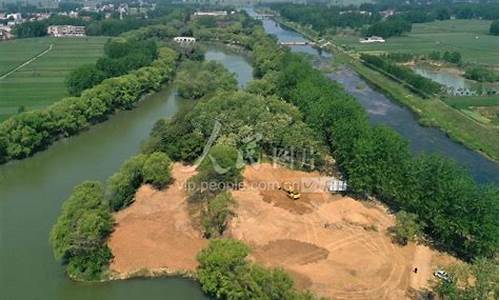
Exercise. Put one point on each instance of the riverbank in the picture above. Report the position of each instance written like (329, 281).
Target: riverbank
(432, 112)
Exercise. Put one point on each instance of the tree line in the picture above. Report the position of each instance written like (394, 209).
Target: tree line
(425, 85)
(456, 212)
(29, 132)
(120, 57)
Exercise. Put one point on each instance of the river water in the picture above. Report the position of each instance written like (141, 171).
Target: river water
(382, 110)
(32, 192)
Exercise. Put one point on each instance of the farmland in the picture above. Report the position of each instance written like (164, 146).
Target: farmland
(469, 37)
(41, 82)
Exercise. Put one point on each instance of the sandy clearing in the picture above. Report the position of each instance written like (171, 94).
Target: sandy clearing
(155, 232)
(333, 245)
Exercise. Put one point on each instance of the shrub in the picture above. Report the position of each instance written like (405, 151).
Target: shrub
(124, 183)
(407, 228)
(157, 169)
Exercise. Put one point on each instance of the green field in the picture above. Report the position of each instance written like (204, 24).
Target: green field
(454, 35)
(41, 82)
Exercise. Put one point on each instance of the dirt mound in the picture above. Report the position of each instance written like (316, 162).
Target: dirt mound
(289, 252)
(155, 232)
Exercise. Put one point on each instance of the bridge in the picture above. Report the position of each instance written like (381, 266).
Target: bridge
(263, 16)
(297, 43)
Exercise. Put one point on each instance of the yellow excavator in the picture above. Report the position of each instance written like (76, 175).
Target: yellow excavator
(288, 189)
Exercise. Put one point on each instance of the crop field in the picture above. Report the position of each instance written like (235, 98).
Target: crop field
(41, 82)
(469, 37)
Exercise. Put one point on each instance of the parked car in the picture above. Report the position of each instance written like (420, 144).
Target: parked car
(441, 274)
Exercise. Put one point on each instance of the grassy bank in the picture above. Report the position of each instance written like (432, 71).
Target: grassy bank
(431, 112)
(41, 82)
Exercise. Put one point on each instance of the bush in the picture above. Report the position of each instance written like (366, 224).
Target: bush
(124, 183)
(79, 236)
(217, 215)
(157, 169)
(195, 80)
(224, 273)
(407, 228)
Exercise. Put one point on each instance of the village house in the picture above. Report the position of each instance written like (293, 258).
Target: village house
(66, 30)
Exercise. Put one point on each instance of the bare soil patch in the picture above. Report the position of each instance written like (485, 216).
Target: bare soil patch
(335, 246)
(155, 232)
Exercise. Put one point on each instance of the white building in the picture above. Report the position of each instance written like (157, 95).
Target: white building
(372, 39)
(184, 40)
(66, 30)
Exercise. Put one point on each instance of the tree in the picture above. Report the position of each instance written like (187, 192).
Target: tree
(82, 78)
(157, 169)
(407, 228)
(221, 167)
(124, 183)
(224, 273)
(79, 236)
(217, 214)
(494, 28)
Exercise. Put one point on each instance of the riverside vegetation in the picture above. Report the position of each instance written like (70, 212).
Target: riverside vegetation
(457, 214)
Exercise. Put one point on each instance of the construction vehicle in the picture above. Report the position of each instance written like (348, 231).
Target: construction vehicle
(289, 190)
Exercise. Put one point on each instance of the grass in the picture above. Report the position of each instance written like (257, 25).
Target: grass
(41, 82)
(450, 35)
(462, 102)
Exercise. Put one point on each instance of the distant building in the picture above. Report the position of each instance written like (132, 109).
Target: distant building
(66, 30)
(372, 39)
(15, 17)
(387, 13)
(220, 13)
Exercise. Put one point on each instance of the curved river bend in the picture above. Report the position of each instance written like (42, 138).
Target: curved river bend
(382, 110)
(32, 191)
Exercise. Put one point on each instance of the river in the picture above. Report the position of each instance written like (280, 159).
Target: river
(32, 192)
(382, 110)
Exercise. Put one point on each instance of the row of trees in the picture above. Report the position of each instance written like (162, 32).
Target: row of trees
(393, 26)
(121, 56)
(79, 236)
(459, 214)
(427, 86)
(29, 132)
(324, 18)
